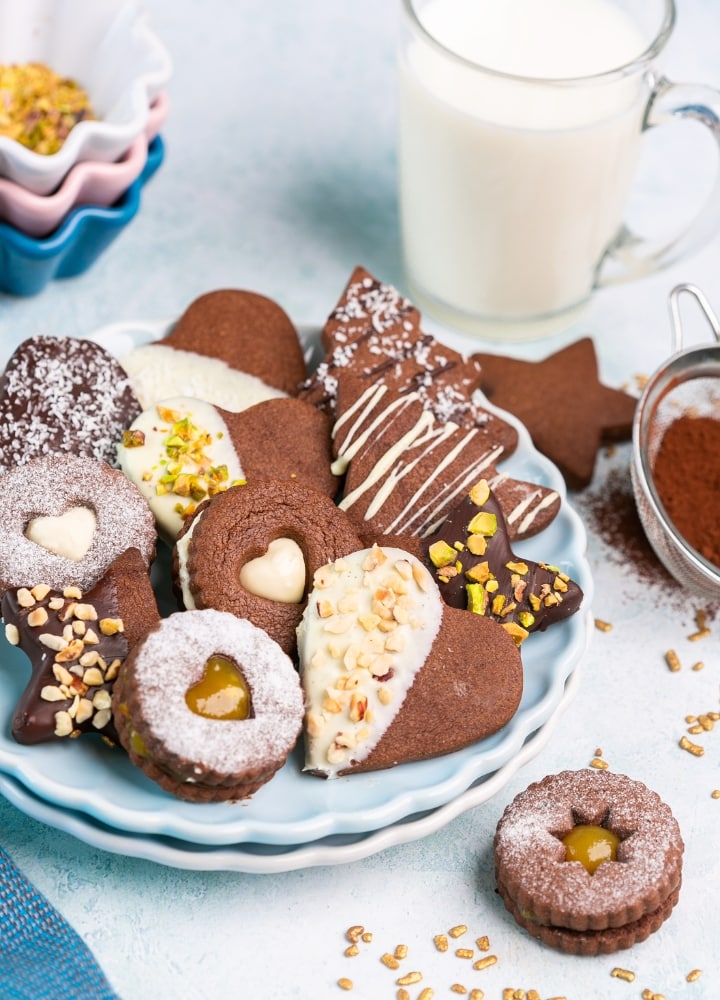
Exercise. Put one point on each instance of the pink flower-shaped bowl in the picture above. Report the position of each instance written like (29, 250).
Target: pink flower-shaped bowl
(88, 183)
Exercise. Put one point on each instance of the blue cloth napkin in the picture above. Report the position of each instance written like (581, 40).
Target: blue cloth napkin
(41, 956)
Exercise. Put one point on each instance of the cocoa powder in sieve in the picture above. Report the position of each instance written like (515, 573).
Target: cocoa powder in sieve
(686, 473)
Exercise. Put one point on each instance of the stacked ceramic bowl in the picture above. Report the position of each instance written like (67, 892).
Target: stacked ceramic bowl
(60, 210)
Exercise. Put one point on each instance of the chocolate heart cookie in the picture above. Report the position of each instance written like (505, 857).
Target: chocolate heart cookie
(391, 673)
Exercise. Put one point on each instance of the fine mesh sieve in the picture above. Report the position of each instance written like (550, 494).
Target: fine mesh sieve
(688, 383)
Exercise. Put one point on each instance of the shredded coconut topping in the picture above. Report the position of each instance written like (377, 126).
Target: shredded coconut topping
(62, 395)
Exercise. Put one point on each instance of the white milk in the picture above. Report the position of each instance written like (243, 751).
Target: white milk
(511, 191)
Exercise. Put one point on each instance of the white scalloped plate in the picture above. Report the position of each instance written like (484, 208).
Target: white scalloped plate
(294, 808)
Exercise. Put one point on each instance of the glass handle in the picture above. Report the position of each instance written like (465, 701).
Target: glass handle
(632, 256)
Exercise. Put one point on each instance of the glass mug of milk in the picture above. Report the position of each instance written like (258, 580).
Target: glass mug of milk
(520, 125)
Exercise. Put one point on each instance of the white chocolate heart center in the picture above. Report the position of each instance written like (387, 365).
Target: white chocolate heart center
(278, 574)
(69, 535)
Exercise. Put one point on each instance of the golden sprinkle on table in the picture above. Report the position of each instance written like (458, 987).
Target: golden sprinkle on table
(698, 666)
(458, 930)
(485, 963)
(702, 633)
(693, 748)
(441, 942)
(458, 988)
(409, 979)
(351, 951)
(426, 994)
(401, 951)
(477, 994)
(692, 977)
(715, 794)
(483, 942)
(672, 660)
(599, 763)
(602, 626)
(345, 984)
(464, 952)
(625, 974)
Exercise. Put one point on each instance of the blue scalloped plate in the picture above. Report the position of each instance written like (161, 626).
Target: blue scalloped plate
(295, 808)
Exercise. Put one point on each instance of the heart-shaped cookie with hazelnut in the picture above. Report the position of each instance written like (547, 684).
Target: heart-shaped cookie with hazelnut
(391, 673)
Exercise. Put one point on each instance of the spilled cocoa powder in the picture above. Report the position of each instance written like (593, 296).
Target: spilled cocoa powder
(610, 512)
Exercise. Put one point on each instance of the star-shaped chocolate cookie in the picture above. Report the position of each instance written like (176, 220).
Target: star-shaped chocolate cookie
(568, 412)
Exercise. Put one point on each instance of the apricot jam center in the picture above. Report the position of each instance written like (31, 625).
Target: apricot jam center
(591, 845)
(222, 693)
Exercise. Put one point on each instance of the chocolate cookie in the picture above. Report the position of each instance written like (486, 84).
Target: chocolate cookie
(249, 332)
(567, 410)
(208, 706)
(392, 674)
(405, 470)
(76, 643)
(61, 395)
(476, 569)
(375, 334)
(253, 551)
(611, 891)
(183, 450)
(64, 520)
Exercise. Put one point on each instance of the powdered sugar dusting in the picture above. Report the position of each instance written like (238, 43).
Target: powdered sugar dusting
(173, 658)
(49, 487)
(530, 857)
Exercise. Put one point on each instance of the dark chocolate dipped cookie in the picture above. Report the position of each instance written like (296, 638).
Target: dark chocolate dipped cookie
(391, 673)
(254, 549)
(65, 519)
(76, 643)
(61, 395)
(182, 451)
(208, 706)
(476, 569)
(588, 861)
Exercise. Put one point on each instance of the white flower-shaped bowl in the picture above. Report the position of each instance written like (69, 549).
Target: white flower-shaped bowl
(88, 183)
(108, 47)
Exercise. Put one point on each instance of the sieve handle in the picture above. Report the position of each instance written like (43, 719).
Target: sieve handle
(676, 322)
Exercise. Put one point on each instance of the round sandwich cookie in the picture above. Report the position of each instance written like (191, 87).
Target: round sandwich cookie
(64, 519)
(254, 549)
(588, 861)
(208, 706)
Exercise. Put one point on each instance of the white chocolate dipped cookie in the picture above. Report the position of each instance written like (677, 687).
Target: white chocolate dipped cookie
(390, 673)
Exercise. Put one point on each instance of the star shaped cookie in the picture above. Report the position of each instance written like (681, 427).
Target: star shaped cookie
(568, 412)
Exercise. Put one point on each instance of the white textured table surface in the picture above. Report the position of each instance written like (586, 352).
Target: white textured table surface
(279, 177)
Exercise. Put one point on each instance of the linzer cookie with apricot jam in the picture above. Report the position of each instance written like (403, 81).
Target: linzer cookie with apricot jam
(208, 706)
(588, 861)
